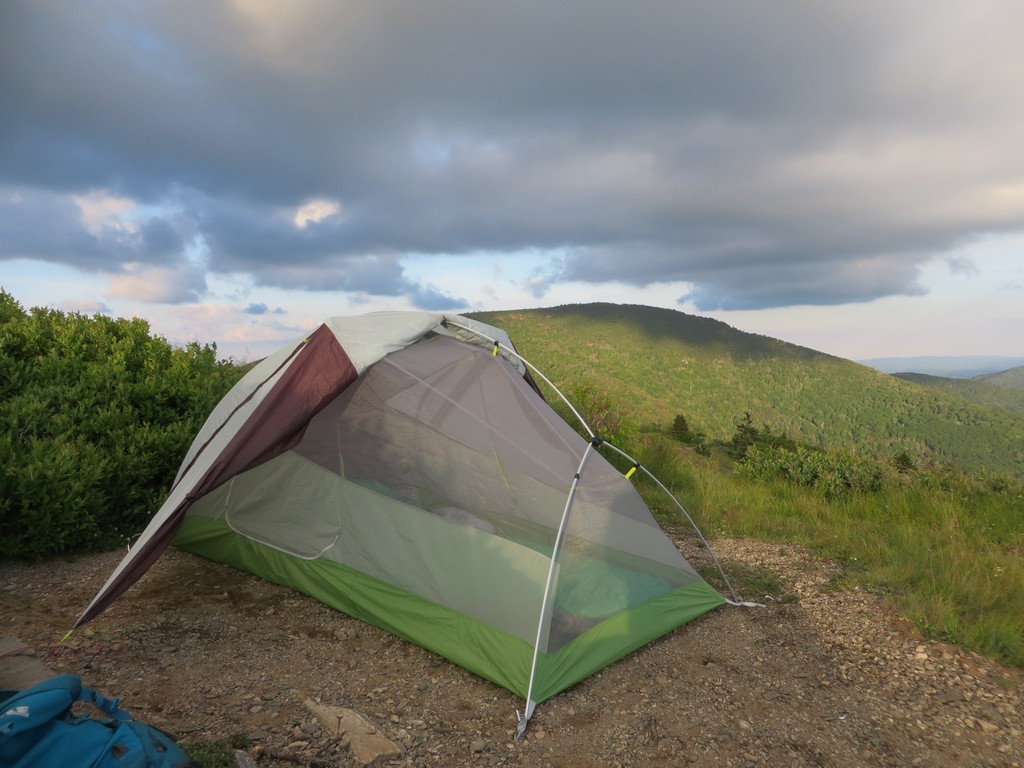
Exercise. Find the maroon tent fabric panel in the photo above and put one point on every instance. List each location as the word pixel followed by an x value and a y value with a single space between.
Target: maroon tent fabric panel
pixel 321 372
pixel 149 554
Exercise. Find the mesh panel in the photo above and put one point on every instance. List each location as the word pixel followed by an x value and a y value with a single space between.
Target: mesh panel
pixel 451 476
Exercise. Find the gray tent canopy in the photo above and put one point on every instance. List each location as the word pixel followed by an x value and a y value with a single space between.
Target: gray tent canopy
pixel 404 468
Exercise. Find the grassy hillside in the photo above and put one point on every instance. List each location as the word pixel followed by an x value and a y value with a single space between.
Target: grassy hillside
pixel 662 363
pixel 1011 379
pixel 983 390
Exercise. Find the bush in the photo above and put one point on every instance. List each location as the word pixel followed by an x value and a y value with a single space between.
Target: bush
pixel 830 472
pixel 95 416
pixel 604 416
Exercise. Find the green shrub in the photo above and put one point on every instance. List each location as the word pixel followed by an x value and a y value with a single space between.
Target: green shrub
pixel 95 416
pixel 604 415
pixel 832 473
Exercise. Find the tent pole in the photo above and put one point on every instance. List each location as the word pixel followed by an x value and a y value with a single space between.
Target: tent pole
pixel 527 712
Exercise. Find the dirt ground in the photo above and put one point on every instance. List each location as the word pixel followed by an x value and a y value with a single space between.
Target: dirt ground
pixel 833 678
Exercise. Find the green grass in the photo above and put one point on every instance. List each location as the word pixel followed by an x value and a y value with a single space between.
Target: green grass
pixel 216 754
pixel 946 549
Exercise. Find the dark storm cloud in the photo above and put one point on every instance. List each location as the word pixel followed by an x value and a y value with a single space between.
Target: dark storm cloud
pixel 39 224
pixel 768 153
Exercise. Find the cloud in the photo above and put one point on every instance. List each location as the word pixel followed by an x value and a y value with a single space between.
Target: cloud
pixel 962 265
pixel 85 307
pixel 767 154
pixel 314 211
pixel 164 285
pixel 93 232
pixel 104 212
pixel 430 298
pixel 263 309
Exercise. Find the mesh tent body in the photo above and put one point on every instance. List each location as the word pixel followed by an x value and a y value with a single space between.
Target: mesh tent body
pixel 400 468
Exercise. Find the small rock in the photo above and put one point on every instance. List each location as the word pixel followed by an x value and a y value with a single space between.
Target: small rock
pixel 988 727
pixel 950 696
pixel 365 741
pixel 478 745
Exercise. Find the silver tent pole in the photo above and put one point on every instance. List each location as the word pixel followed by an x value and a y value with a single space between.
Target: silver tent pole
pixel 527 713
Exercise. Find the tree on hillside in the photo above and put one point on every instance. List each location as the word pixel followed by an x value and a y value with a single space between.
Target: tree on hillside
pixel 680 429
pixel 745 436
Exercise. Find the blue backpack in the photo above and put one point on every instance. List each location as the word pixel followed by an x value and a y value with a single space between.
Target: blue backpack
pixel 38 730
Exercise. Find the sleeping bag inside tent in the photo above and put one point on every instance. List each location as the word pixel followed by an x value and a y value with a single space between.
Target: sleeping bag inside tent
pixel 404 469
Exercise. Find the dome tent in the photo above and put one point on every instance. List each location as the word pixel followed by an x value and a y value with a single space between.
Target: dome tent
pixel 402 467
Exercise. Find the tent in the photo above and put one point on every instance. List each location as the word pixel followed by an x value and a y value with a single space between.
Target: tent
pixel 403 467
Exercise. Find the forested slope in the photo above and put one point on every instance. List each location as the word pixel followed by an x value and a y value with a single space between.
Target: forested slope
pixel 660 363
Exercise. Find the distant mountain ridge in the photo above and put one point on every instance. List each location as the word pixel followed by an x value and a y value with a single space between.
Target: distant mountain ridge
pixel 1010 379
pixel 985 390
pixel 950 367
pixel 660 363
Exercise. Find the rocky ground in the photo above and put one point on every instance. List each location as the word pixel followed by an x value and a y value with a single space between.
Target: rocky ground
pixel 831 678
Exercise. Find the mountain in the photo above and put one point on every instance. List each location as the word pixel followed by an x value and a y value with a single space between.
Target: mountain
pixel 659 363
pixel 983 389
pixel 952 367
pixel 1011 379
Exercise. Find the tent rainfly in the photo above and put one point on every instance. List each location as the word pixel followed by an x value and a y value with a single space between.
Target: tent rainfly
pixel 402 467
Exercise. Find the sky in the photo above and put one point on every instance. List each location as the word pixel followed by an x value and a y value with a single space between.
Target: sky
pixel 848 176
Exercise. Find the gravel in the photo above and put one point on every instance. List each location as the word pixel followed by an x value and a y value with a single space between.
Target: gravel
pixel 834 677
